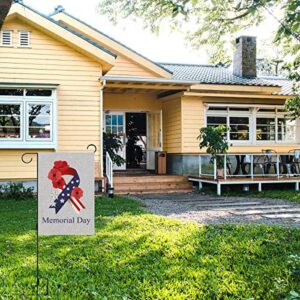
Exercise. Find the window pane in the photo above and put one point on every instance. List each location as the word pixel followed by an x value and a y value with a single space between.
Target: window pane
pixel 120 120
pixel 265 129
pixel 114 120
pixel 216 121
pixel 239 128
pixel 10 121
pixel 39 120
pixel 11 92
pixel 217 108
pixel 108 120
pixel 286 129
pixel 39 93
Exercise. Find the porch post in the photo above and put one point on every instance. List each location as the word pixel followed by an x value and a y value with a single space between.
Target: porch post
pixel 103 83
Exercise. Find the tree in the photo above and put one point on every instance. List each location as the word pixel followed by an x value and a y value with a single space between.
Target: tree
pixel 216 23
pixel 4 9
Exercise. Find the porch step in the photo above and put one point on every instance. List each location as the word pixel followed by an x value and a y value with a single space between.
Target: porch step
pixel 151 184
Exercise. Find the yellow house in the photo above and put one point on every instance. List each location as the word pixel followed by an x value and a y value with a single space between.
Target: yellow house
pixel 63 82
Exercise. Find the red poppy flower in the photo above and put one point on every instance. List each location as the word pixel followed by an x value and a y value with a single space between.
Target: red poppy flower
pixel 77 193
pixel 59 184
pixel 61 165
pixel 54 175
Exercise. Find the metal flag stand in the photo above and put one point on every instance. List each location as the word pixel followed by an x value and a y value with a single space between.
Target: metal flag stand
pixel 27 162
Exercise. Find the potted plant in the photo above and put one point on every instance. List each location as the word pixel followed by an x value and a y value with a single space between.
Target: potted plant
pixel 112 144
pixel 213 139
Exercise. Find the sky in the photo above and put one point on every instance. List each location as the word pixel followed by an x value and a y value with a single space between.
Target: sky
pixel 166 47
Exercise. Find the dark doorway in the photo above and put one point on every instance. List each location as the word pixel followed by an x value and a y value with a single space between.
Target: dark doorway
pixel 136 134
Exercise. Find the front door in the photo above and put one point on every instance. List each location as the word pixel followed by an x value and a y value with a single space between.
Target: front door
pixel 115 124
pixel 154 137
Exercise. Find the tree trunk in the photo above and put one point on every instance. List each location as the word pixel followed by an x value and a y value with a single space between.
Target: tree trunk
pixel 4 9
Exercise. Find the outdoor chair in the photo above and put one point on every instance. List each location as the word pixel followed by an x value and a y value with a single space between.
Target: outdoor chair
pixel 258 162
pixel 294 161
pixel 270 160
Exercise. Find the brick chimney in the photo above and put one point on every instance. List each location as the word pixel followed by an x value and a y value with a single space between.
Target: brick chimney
pixel 244 59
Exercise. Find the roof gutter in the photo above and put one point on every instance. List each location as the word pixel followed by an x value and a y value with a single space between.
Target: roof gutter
pixel 148 80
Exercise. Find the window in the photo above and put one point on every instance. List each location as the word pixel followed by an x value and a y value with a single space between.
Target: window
pixel 24 39
pixel 265 129
pixel 239 128
pixel 27 121
pixel 270 123
pixel 6 38
pixel 10 121
pixel 115 124
pixel 39 121
pixel 236 119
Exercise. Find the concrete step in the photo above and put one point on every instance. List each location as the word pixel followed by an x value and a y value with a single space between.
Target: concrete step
pixel 271 211
pixel 282 216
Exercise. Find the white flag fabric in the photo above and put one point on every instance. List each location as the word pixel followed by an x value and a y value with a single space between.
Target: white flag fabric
pixel 66 197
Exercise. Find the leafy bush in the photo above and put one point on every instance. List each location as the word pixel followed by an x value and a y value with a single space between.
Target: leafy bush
pixel 15 191
pixel 213 139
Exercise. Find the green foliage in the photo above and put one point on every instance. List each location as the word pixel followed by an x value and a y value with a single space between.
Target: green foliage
pixel 112 145
pixel 15 191
pixel 215 23
pixel 292 105
pixel 213 139
pixel 135 255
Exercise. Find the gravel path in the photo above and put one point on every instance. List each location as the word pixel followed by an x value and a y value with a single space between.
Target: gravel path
pixel 208 209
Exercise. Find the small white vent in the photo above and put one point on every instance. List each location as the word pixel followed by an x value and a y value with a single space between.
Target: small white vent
pixel 6 38
pixel 24 39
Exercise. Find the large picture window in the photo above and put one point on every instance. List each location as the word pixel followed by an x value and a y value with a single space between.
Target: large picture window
pixel 237 122
pixel 254 124
pixel 27 118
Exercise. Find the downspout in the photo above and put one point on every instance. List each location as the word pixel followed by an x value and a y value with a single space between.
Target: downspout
pixel 103 84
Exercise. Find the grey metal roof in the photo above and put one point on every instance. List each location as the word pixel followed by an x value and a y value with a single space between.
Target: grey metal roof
pixel 213 75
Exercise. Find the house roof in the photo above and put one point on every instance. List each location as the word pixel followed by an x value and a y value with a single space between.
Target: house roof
pixel 210 74
pixel 60 15
pixel 56 28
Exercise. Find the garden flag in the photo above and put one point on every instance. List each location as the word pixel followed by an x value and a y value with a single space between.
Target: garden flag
pixel 66 194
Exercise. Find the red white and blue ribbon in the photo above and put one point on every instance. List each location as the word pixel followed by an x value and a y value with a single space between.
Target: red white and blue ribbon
pixel 68 191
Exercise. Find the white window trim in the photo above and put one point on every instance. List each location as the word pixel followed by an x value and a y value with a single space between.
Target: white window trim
pixel 29 35
pixel 24 142
pixel 253 115
pixel 11 37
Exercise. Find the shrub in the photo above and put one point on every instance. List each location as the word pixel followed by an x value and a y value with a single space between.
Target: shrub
pixel 15 191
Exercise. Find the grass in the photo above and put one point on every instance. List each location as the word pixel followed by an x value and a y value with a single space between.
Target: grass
pixel 136 255
pixel 286 192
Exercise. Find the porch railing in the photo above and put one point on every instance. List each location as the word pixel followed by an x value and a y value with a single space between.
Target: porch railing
pixel 109 170
pixel 248 165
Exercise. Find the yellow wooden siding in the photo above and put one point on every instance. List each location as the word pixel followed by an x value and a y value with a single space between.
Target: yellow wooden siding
pixel 131 102
pixel 124 66
pixel 172 126
pixel 50 61
pixel 193 114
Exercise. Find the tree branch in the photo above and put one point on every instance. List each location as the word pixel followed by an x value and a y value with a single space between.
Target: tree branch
pixel 4 9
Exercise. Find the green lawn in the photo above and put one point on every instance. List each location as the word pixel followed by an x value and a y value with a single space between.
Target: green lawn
pixel 135 255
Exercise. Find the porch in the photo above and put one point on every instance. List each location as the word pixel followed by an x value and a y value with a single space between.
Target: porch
pixel 247 169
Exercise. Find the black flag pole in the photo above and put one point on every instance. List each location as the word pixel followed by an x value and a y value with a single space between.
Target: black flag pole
pixel 27 162
pixel 27 159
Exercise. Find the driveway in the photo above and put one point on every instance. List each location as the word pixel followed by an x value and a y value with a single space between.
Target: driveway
pixel 209 209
